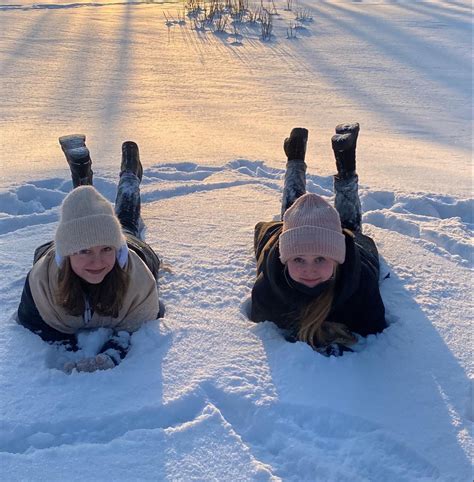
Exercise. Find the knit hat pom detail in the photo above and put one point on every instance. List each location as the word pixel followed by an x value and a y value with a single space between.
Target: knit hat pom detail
pixel 87 219
pixel 312 227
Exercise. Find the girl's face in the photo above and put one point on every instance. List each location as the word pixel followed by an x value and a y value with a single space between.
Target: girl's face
pixel 93 264
pixel 310 270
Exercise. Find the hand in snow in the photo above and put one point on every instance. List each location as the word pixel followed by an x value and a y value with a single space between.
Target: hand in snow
pixel 333 349
pixel 89 365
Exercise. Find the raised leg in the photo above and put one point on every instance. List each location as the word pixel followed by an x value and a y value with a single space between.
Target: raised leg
pixel 295 175
pixel 346 181
pixel 128 201
pixel 347 202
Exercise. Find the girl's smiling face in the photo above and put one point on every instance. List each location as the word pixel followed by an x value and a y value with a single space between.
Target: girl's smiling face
pixel 93 264
pixel 310 270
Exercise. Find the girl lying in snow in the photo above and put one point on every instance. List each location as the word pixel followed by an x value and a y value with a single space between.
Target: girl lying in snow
pixel 97 272
pixel 316 279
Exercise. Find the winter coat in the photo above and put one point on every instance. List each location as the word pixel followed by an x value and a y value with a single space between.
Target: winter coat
pixel 357 302
pixel 39 311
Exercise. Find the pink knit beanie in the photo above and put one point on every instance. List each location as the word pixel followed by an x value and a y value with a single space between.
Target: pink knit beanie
pixel 312 227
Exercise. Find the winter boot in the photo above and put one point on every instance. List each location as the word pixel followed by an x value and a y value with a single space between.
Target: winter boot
pixel 131 159
pixel 294 184
pixel 344 147
pixel 72 141
pixel 295 145
pixel 348 129
pixel 78 158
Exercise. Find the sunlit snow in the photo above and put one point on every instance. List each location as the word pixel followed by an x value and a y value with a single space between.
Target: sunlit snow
pixel 205 394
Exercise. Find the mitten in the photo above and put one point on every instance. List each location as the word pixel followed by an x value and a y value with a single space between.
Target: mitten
pixel 92 364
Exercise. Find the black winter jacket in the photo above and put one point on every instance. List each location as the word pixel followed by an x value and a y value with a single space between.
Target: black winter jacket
pixel 357 301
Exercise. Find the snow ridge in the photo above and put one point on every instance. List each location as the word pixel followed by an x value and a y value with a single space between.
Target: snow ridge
pixel 443 221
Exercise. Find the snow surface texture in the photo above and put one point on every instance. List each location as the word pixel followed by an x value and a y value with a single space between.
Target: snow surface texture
pixel 114 71
pixel 204 393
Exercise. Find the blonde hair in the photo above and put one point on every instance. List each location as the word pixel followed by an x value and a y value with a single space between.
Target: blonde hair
pixel 315 329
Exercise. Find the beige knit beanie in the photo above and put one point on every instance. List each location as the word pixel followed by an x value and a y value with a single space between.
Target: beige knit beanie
pixel 87 220
pixel 312 227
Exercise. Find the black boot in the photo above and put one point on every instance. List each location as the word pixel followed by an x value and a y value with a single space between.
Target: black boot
pixel 78 158
pixel 295 145
pixel 72 141
pixel 131 159
pixel 344 147
pixel 346 140
pixel 348 129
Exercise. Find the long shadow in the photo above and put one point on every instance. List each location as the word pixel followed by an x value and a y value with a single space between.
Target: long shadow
pixel 461 28
pixel 441 13
pixel 198 40
pixel 407 382
pixel 460 5
pixel 62 6
pixel 396 44
pixel 76 72
pixel 119 76
pixel 369 99
pixel 27 44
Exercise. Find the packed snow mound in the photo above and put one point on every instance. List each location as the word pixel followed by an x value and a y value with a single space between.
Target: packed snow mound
pixel 206 394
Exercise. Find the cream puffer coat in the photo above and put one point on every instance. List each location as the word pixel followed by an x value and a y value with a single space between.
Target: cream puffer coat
pixel 140 304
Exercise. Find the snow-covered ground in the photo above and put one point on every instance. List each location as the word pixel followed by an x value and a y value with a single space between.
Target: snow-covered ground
pixel 204 393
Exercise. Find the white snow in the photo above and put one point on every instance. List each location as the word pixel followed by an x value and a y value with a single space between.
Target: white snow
pixel 205 394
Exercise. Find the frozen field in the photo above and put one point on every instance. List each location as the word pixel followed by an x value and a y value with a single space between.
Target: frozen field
pixel 204 393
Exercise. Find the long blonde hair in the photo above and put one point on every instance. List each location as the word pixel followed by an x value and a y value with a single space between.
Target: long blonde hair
pixel 314 327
